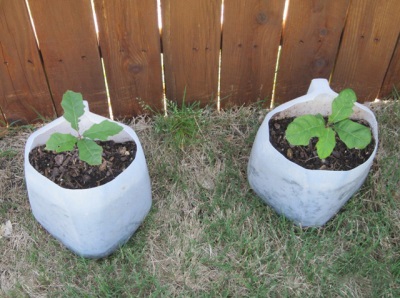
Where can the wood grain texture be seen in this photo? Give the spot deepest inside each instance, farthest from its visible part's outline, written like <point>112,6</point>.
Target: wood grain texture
<point>310,43</point>
<point>392,77</point>
<point>251,37</point>
<point>130,45</point>
<point>68,43</point>
<point>369,39</point>
<point>3,122</point>
<point>24,94</point>
<point>191,45</point>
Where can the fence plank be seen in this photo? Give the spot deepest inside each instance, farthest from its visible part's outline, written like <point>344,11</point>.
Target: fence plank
<point>392,77</point>
<point>24,93</point>
<point>5,86</point>
<point>368,42</point>
<point>130,44</point>
<point>191,44</point>
<point>251,37</point>
<point>310,43</point>
<point>68,42</point>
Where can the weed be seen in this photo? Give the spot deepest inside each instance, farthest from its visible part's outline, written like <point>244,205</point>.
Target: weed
<point>395,93</point>
<point>8,153</point>
<point>181,124</point>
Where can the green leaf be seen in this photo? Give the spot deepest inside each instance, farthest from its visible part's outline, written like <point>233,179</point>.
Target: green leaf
<point>60,142</point>
<point>303,128</point>
<point>326,143</point>
<point>353,134</point>
<point>90,152</point>
<point>102,130</point>
<point>72,103</point>
<point>342,106</point>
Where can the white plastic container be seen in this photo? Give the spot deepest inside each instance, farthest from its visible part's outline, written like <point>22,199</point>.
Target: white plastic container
<point>307,197</point>
<point>96,221</point>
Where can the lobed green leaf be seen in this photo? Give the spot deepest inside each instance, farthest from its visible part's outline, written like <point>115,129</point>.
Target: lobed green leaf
<point>353,134</point>
<point>60,142</point>
<point>342,106</point>
<point>326,143</point>
<point>73,106</point>
<point>303,128</point>
<point>90,152</point>
<point>102,130</point>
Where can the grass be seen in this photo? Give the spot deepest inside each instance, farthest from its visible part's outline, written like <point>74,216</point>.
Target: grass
<point>181,124</point>
<point>207,234</point>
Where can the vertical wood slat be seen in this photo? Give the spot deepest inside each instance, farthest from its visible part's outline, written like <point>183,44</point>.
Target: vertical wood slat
<point>392,77</point>
<point>24,94</point>
<point>3,121</point>
<point>310,43</point>
<point>191,45</point>
<point>369,39</point>
<point>68,42</point>
<point>130,45</point>
<point>251,37</point>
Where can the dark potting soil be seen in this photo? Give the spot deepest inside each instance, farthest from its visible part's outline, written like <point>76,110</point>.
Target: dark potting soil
<point>68,171</point>
<point>341,159</point>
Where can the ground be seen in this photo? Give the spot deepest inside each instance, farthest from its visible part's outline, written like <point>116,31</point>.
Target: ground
<point>207,233</point>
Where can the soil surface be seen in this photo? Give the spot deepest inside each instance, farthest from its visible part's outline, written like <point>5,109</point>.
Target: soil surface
<point>68,171</point>
<point>341,159</point>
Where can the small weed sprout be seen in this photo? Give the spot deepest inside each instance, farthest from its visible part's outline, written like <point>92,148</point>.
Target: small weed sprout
<point>353,134</point>
<point>181,124</point>
<point>88,150</point>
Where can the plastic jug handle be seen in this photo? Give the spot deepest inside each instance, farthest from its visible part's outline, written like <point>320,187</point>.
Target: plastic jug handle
<point>319,86</point>
<point>86,104</point>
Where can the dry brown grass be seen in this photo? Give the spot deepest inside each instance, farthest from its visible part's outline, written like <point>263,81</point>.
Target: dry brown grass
<point>15,208</point>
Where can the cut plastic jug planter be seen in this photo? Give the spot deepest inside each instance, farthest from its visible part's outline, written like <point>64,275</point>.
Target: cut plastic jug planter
<point>91,222</point>
<point>307,197</point>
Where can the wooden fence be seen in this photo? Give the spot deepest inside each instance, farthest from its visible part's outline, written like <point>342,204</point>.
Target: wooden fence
<point>354,43</point>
